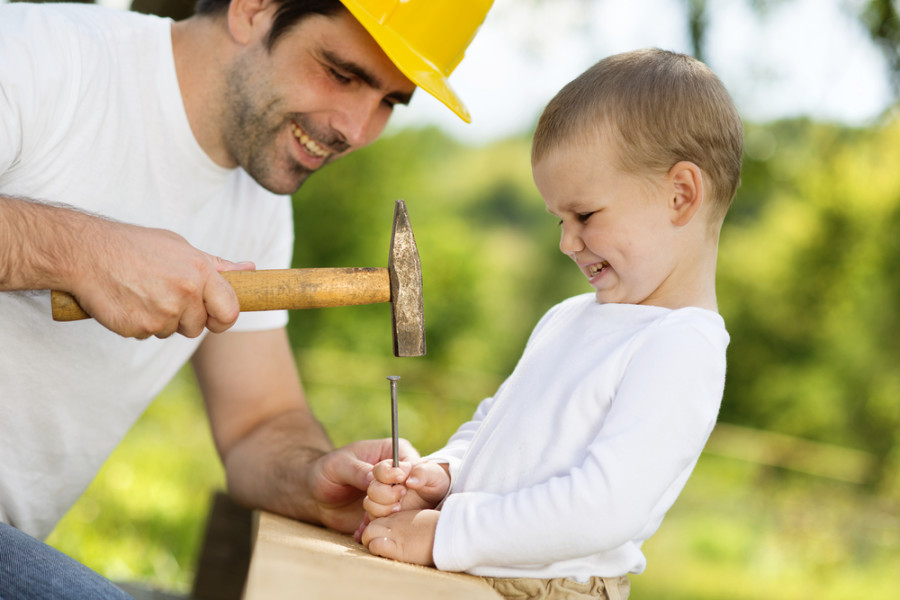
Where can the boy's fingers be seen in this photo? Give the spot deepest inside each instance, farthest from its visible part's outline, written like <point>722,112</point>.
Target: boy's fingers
<point>375,538</point>
<point>384,493</point>
<point>383,546</point>
<point>377,510</point>
<point>422,475</point>
<point>386,472</point>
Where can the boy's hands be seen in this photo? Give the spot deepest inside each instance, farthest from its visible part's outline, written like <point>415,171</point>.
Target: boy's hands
<point>410,486</point>
<point>407,487</point>
<point>406,536</point>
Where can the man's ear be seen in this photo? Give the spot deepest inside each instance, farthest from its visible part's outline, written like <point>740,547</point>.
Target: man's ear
<point>246,19</point>
<point>687,193</point>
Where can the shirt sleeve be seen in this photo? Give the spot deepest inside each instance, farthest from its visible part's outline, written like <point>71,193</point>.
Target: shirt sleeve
<point>10,132</point>
<point>38,69</point>
<point>659,421</point>
<point>15,85</point>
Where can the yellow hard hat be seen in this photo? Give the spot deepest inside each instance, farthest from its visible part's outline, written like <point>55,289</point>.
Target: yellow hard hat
<point>426,39</point>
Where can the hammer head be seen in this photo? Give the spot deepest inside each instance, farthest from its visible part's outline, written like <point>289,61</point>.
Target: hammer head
<point>405,270</point>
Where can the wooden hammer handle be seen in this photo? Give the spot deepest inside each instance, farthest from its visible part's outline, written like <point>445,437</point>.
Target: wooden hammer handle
<point>279,289</point>
<point>309,288</point>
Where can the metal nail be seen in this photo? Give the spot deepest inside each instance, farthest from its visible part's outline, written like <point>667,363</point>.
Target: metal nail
<point>395,437</point>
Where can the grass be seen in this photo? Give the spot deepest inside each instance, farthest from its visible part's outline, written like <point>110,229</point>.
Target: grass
<point>742,531</point>
<point>739,531</point>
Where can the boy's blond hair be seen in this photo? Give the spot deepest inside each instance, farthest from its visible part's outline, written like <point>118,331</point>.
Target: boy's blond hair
<point>660,107</point>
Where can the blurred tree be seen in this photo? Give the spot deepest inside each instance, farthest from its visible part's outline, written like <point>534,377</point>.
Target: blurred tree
<point>697,13</point>
<point>883,23</point>
<point>808,287</point>
<point>697,23</point>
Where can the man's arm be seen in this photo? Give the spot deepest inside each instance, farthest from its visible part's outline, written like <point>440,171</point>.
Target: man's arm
<point>136,281</point>
<point>276,454</point>
<point>262,426</point>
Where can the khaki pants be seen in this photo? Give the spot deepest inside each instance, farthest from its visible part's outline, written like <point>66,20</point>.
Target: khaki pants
<point>597,588</point>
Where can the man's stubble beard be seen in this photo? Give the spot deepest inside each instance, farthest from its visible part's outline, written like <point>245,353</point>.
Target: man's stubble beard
<point>253,122</point>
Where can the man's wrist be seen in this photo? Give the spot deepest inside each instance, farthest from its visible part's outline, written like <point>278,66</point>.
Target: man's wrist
<point>311,506</point>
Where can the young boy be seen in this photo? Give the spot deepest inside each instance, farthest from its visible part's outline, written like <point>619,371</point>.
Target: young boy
<point>552,487</point>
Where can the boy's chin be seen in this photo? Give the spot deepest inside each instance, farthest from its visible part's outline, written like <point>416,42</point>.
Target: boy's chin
<point>607,297</point>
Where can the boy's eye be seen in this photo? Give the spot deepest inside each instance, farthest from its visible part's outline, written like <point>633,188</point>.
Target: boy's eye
<point>583,217</point>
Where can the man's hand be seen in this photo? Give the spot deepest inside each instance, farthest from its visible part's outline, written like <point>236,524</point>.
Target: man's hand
<point>136,281</point>
<point>339,479</point>
<point>406,536</point>
<point>153,282</point>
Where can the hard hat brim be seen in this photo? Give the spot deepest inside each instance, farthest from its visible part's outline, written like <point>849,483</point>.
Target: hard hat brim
<point>415,67</point>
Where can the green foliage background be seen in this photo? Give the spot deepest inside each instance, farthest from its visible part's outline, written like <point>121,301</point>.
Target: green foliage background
<point>806,285</point>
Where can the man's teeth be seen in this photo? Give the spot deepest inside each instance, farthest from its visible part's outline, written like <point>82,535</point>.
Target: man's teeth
<point>597,267</point>
<point>310,144</point>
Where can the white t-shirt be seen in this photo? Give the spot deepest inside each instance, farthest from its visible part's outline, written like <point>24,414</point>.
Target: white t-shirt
<point>575,460</point>
<point>91,115</point>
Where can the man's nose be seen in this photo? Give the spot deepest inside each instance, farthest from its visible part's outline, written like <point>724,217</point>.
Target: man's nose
<point>359,122</point>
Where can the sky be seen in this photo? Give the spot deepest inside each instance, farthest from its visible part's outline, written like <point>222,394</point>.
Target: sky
<point>805,57</point>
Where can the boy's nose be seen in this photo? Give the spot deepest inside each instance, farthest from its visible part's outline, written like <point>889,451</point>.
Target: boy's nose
<point>570,241</point>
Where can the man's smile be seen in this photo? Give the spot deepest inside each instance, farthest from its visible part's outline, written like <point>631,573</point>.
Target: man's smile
<point>308,143</point>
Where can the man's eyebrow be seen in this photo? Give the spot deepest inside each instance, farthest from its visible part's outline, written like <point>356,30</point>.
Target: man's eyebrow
<point>365,76</point>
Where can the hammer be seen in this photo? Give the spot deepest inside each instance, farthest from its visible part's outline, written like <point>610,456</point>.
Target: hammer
<point>276,289</point>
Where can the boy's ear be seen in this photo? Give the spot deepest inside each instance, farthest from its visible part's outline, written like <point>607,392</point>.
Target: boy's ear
<point>246,19</point>
<point>686,181</point>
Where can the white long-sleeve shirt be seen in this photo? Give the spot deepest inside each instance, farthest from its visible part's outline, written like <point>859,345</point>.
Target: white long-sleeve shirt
<point>575,460</point>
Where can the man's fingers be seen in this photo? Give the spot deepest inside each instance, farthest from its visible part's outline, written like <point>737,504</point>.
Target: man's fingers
<point>223,265</point>
<point>193,321</point>
<point>357,535</point>
<point>344,468</point>
<point>407,452</point>
<point>221,304</point>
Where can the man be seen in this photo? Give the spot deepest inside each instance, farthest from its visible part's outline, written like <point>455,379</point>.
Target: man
<point>136,155</point>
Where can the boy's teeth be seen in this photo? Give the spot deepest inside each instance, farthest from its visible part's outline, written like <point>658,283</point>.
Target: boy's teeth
<point>596,268</point>
<point>310,144</point>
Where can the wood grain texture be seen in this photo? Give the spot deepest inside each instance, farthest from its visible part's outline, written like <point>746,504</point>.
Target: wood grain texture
<point>309,288</point>
<point>296,560</point>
